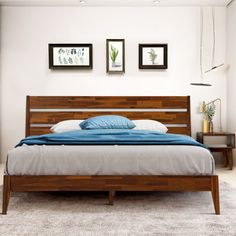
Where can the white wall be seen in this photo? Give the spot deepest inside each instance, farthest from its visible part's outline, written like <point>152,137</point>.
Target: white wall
<point>231,58</point>
<point>26,32</point>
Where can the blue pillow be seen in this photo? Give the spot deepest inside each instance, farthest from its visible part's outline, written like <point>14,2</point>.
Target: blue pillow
<point>107,122</point>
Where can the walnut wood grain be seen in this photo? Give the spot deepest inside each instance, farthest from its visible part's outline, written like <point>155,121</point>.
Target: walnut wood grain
<point>111,197</point>
<point>215,194</point>
<point>55,117</point>
<point>54,102</point>
<point>27,117</point>
<point>112,184</point>
<point>59,102</point>
<point>106,183</point>
<point>6,193</point>
<point>179,130</point>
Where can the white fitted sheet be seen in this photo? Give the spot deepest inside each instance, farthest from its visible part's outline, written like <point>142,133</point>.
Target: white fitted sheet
<point>109,160</point>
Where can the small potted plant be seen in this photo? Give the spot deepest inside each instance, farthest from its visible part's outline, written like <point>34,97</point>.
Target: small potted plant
<point>153,56</point>
<point>209,112</point>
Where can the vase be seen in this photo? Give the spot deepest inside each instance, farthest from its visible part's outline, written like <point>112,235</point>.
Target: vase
<point>205,126</point>
<point>211,127</point>
<point>113,64</point>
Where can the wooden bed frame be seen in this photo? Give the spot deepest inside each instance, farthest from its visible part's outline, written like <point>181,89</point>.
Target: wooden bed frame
<point>42,112</point>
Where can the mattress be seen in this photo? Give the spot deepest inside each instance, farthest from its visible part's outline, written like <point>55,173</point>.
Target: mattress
<point>109,160</point>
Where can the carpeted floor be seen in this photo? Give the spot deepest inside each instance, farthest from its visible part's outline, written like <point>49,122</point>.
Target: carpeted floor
<point>72,214</point>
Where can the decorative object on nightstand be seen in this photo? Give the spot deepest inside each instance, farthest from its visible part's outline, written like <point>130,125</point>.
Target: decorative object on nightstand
<point>226,149</point>
<point>208,111</point>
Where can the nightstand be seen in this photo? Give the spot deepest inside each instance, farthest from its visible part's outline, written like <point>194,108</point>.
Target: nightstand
<point>226,149</point>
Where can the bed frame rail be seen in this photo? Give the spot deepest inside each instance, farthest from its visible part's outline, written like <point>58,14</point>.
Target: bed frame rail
<point>111,184</point>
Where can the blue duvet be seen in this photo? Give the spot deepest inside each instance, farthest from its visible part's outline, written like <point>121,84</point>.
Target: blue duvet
<point>110,137</point>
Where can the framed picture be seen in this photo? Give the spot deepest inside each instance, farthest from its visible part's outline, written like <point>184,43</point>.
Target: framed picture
<point>153,56</point>
<point>66,56</point>
<point>115,55</point>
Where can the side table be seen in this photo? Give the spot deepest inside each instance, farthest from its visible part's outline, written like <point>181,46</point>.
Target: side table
<point>226,149</point>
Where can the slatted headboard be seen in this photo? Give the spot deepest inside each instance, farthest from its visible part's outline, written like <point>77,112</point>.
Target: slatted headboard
<point>44,111</point>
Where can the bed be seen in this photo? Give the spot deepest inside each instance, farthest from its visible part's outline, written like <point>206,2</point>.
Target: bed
<point>193,171</point>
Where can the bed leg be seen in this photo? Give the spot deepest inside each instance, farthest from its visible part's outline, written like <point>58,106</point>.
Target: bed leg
<point>112,194</point>
<point>215,194</point>
<point>6,194</point>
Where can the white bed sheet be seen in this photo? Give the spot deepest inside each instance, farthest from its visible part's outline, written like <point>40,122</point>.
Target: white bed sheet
<point>109,160</point>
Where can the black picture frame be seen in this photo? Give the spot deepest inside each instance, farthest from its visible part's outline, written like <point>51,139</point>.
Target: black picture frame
<point>152,64</point>
<point>121,66</point>
<point>71,61</point>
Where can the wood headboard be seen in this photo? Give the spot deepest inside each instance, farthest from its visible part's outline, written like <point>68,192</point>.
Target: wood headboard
<point>44,111</point>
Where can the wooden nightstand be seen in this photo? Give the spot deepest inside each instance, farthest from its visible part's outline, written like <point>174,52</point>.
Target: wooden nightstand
<point>226,149</point>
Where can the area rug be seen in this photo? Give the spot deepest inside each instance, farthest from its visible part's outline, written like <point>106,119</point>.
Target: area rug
<point>150,213</point>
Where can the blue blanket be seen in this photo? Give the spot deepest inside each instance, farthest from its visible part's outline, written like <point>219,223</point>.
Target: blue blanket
<point>110,137</point>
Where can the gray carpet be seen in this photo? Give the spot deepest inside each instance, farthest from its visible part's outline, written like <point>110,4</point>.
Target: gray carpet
<point>133,214</point>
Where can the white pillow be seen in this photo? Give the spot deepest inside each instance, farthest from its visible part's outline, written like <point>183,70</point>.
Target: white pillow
<point>66,126</point>
<point>150,125</point>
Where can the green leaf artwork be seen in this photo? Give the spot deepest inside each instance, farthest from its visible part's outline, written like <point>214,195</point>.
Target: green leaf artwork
<point>153,56</point>
<point>113,54</point>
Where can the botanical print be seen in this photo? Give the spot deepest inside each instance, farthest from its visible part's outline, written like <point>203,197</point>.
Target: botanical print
<point>115,56</point>
<point>71,56</point>
<point>153,56</point>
